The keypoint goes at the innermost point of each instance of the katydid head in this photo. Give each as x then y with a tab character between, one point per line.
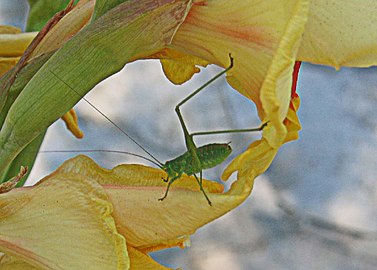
170	167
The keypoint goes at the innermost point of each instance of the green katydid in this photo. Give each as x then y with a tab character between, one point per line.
205	157
195	159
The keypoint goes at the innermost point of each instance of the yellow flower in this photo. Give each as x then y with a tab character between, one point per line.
88	217
120	207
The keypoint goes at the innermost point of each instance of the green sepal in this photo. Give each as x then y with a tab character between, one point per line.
26	158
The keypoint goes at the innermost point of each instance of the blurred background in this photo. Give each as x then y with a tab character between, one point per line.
315	207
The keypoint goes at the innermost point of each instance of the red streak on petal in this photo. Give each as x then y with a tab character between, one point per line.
245	35
295	73
296	70
232	30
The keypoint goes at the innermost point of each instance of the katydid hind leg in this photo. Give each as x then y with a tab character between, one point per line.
260	128
200	182
188	138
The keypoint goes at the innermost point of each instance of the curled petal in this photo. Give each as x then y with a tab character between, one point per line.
292	122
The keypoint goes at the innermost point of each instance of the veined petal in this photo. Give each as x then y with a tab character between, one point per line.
64	222
340	33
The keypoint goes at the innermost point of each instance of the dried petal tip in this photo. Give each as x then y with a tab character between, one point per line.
71	122
11	184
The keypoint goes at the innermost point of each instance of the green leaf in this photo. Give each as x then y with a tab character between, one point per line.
4	92
28	155
133	30
102	6
41	11
25	158
9	95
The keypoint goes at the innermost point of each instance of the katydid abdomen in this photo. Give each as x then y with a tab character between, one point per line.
209	156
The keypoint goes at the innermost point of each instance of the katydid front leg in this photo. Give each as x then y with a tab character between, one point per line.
191	148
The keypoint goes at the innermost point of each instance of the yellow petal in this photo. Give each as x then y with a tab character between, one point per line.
71	122
140	260
179	67
64	222
292	122
8	262
13	45
8	29
341	33
252	33
149	224
6	63
130	175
